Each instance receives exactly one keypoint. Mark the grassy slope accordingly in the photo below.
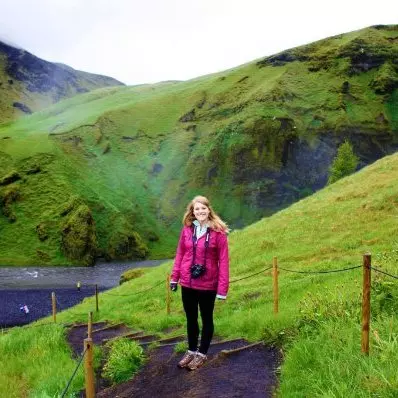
(319, 321)
(156, 163)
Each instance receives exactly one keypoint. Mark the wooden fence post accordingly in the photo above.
(367, 262)
(88, 368)
(275, 284)
(168, 294)
(54, 306)
(96, 297)
(90, 324)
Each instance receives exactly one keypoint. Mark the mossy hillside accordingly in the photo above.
(319, 315)
(51, 209)
(254, 138)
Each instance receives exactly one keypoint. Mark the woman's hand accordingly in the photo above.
(173, 286)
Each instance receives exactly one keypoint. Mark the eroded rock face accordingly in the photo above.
(274, 166)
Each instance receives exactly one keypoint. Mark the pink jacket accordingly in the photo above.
(216, 276)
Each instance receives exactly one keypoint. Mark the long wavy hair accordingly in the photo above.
(215, 221)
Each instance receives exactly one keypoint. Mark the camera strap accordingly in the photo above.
(195, 243)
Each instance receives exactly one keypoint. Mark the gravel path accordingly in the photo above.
(38, 302)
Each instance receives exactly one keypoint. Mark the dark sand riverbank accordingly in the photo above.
(38, 302)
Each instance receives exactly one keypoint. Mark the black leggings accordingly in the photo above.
(191, 299)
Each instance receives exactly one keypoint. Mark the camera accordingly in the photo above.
(197, 270)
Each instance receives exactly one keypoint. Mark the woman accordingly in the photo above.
(201, 266)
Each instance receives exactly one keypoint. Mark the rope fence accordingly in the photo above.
(321, 272)
(132, 294)
(56, 306)
(60, 308)
(74, 373)
(383, 272)
(250, 276)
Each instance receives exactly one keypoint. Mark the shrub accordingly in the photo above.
(125, 358)
(344, 164)
(131, 274)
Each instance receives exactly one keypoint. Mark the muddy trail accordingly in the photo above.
(235, 368)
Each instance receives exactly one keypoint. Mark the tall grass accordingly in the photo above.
(39, 357)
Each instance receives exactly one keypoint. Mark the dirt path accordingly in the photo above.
(249, 372)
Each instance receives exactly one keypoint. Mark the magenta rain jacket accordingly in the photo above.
(216, 277)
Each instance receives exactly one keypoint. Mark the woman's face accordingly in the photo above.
(201, 212)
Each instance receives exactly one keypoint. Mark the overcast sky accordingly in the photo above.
(145, 41)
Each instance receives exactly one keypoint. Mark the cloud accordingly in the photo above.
(138, 42)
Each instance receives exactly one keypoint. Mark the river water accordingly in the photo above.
(105, 275)
(33, 286)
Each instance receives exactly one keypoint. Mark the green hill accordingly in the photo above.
(319, 321)
(108, 173)
(28, 83)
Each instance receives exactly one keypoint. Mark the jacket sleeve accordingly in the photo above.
(175, 274)
(223, 266)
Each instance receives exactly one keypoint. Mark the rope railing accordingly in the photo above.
(383, 272)
(249, 276)
(70, 311)
(132, 294)
(106, 293)
(320, 272)
(74, 374)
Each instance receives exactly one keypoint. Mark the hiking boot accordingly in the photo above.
(197, 362)
(186, 359)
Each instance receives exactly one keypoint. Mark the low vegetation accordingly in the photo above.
(131, 274)
(124, 360)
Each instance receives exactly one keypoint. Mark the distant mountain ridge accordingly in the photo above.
(29, 83)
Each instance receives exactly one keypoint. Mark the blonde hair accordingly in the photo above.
(215, 221)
